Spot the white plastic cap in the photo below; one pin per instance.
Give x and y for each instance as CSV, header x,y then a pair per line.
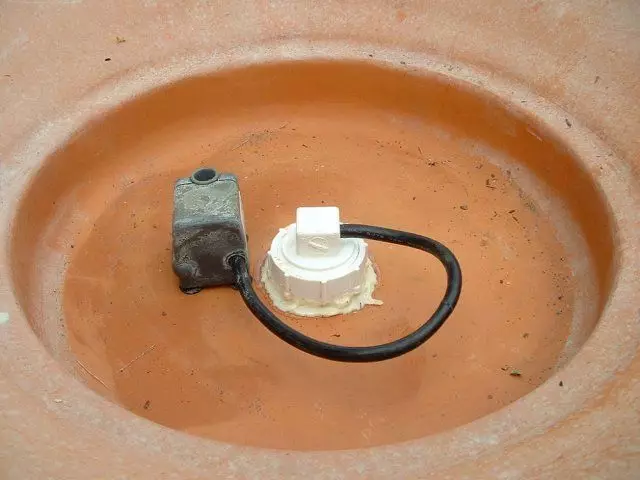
x,y
317,231
309,261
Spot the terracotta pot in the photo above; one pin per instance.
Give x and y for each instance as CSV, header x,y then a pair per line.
x,y
507,131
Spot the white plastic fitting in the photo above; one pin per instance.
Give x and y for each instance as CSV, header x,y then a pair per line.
x,y
311,271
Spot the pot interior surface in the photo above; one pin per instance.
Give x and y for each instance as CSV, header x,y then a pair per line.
x,y
408,150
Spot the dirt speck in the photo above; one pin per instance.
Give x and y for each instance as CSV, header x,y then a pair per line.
x,y
464,207
147,405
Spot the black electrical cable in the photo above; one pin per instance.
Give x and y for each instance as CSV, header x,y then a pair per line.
x,y
374,353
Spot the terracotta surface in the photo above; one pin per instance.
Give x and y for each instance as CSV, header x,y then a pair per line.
x,y
512,164
208,366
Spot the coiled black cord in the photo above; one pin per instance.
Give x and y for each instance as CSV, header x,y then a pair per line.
x,y
374,353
